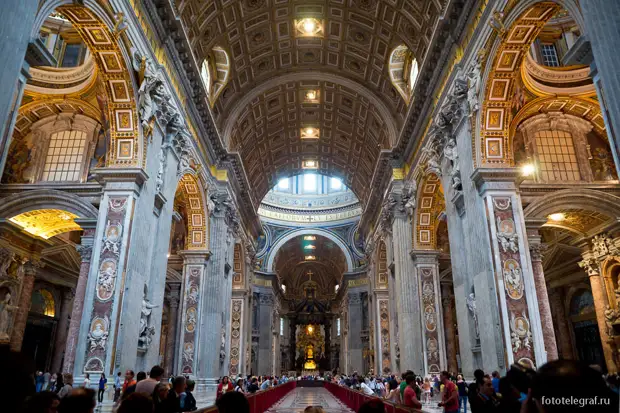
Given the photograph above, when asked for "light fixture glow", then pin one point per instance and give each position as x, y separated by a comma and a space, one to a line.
310, 258
310, 131
311, 95
310, 329
309, 164
309, 238
309, 26
310, 247
528, 169
557, 217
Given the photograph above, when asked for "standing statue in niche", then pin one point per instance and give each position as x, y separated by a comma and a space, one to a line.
146, 330
471, 305
149, 82
223, 346
5, 316
161, 171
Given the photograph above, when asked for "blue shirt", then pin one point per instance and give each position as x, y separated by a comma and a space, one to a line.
495, 381
117, 382
102, 383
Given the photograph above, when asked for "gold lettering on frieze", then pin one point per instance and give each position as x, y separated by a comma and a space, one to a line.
309, 218
261, 282
358, 282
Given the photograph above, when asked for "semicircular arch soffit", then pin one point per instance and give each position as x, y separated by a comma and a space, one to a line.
46, 199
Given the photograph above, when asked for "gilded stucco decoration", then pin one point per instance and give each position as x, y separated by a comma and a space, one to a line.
124, 148
46, 223
501, 85
431, 204
197, 222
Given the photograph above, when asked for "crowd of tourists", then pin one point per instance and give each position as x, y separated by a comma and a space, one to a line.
558, 386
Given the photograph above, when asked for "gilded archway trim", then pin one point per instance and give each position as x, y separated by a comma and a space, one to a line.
197, 219
431, 203
125, 147
496, 112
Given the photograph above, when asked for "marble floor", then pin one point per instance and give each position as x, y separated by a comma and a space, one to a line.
297, 400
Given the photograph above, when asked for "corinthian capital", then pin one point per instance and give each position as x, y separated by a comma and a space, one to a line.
590, 265
537, 251
85, 251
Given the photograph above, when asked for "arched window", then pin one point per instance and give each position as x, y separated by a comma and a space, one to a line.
65, 156
205, 74
43, 303
413, 74
556, 156
403, 68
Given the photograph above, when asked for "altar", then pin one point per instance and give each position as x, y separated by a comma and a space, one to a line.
310, 348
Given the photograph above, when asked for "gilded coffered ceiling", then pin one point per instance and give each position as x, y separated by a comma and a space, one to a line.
275, 58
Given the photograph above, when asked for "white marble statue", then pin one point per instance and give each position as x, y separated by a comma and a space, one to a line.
146, 331
474, 78
5, 316
471, 305
161, 170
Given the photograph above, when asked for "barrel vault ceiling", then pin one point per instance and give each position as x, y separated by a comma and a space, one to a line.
260, 113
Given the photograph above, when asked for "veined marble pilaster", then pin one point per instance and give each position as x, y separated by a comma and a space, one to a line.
394, 216
171, 342
383, 327
188, 347
86, 251
62, 329
25, 300
520, 315
427, 271
236, 337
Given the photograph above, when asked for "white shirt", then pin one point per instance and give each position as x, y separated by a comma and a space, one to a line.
366, 390
86, 384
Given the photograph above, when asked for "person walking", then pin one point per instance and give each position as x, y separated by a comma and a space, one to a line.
426, 391
102, 383
67, 387
39, 381
450, 395
148, 385
46, 381
117, 387
410, 399
86, 383
461, 385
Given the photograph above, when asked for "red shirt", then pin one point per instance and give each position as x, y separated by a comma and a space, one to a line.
448, 390
410, 399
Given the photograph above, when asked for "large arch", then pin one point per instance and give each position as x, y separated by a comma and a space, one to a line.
523, 24
47, 199
596, 201
309, 231
127, 146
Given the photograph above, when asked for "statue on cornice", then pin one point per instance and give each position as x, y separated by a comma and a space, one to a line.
161, 170
474, 78
451, 153
6, 259
387, 212
151, 90
409, 197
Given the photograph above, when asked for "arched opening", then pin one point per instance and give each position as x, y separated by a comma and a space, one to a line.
531, 73
404, 71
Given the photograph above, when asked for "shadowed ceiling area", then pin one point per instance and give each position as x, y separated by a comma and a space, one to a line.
281, 50
297, 262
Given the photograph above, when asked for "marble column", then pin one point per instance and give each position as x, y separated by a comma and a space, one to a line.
449, 326
25, 300
394, 217
328, 343
171, 342
293, 342
565, 346
591, 266
602, 29
536, 253
85, 249
266, 304
61, 330
212, 336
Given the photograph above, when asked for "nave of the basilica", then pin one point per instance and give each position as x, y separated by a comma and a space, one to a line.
259, 187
